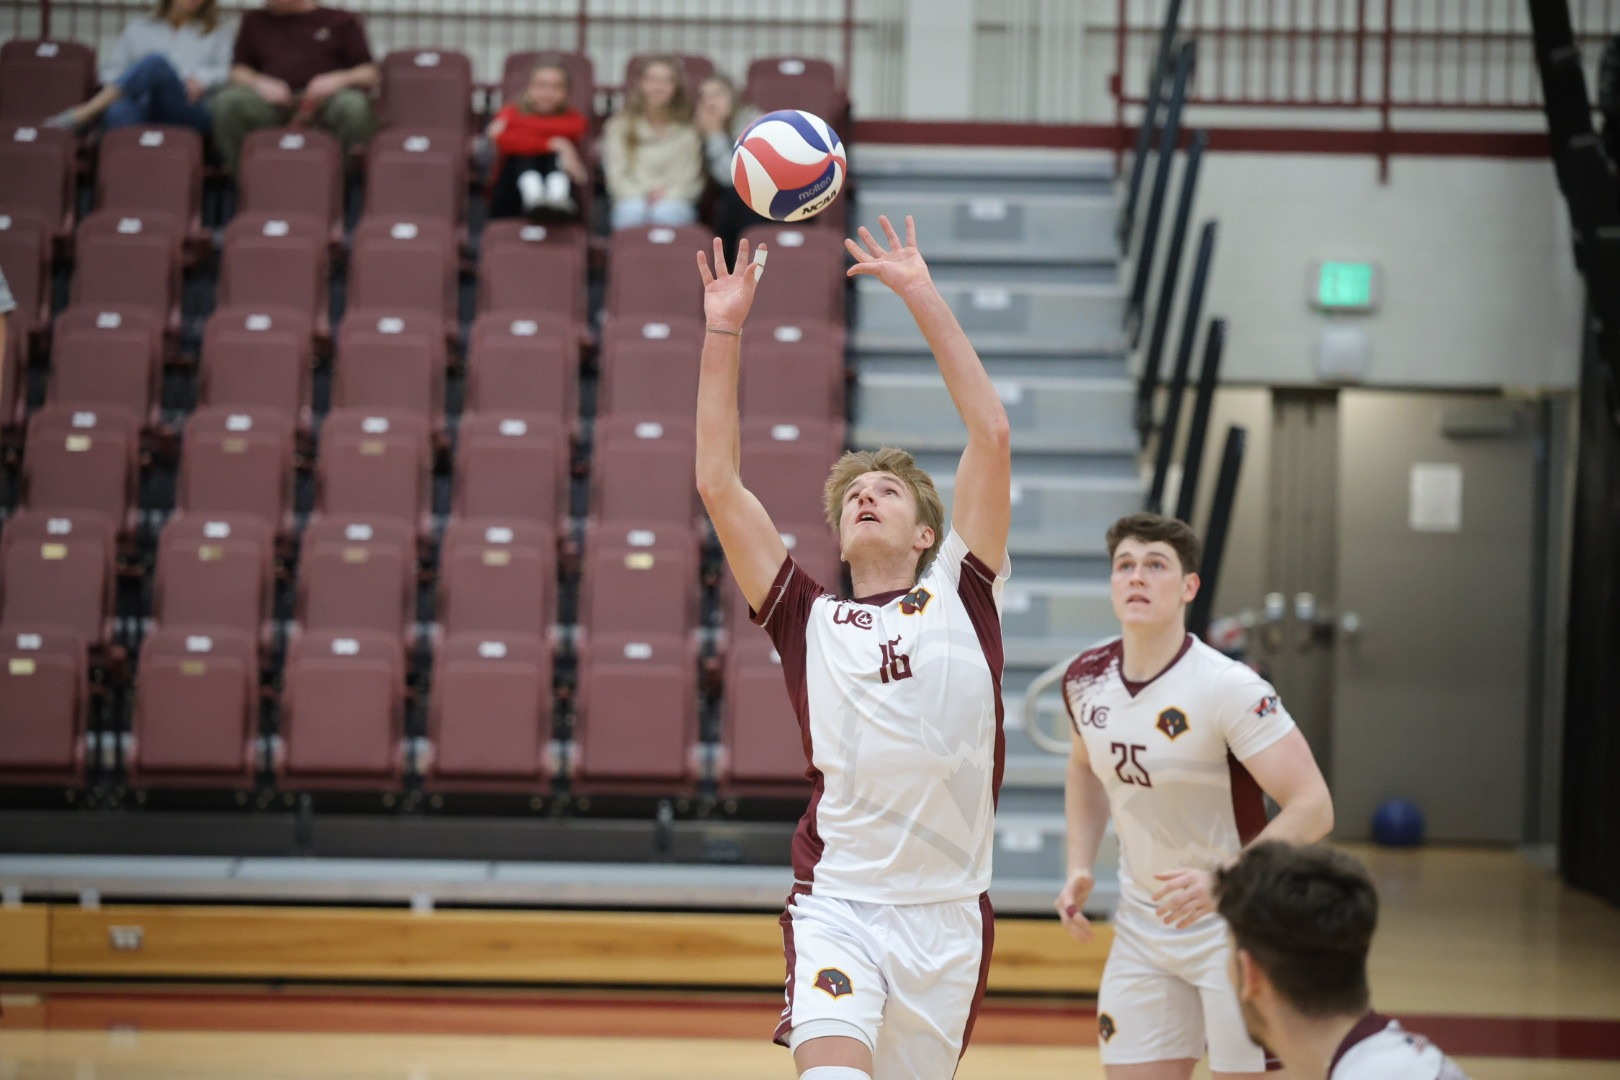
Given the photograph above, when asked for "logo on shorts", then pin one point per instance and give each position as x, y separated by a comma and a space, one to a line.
1173, 722
834, 982
915, 601
1105, 1026
858, 617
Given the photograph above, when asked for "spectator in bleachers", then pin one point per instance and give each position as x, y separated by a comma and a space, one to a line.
537, 144
651, 153
161, 70
297, 63
721, 116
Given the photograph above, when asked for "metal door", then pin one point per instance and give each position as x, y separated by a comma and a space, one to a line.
1432, 680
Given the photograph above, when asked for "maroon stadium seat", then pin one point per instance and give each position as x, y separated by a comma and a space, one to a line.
44, 708
375, 463
650, 272
343, 711
238, 461
292, 171
786, 464
794, 371
196, 716
764, 748
415, 173
57, 581
39, 79
35, 527
807, 275
650, 367
793, 82
357, 574
38, 172
152, 167
489, 719
524, 361
581, 76
511, 467
636, 716
639, 580
694, 69
214, 574
498, 578
391, 361
108, 356
277, 260
82, 459
258, 358
641, 471
401, 264
130, 259
527, 267
427, 88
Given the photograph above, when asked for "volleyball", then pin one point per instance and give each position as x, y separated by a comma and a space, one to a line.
789, 165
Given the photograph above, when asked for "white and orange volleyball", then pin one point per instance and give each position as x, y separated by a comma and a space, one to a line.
789, 165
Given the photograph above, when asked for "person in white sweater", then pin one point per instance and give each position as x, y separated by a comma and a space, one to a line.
651, 155
161, 70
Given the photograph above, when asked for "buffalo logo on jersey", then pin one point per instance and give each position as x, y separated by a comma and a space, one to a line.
834, 982
858, 617
1105, 1026
1268, 705
1173, 722
915, 601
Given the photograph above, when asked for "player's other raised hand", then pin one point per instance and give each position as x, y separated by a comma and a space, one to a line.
1070, 904
900, 266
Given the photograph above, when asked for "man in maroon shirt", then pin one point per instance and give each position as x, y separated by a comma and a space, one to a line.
297, 63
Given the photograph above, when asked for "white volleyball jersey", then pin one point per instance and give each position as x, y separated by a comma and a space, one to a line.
899, 699
1169, 753
1378, 1048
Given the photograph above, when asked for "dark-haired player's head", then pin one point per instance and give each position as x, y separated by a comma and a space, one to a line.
1302, 919
1154, 574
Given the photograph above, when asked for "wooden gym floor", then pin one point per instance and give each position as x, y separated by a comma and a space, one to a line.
1513, 973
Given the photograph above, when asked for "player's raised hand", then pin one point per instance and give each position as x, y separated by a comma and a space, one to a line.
1070, 902
900, 266
728, 294
1185, 897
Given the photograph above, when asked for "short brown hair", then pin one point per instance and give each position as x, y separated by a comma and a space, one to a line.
1149, 528
1306, 915
856, 463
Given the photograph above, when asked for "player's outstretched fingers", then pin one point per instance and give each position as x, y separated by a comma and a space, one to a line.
888, 230
742, 256
720, 267
911, 231
871, 241
759, 261
860, 253
703, 269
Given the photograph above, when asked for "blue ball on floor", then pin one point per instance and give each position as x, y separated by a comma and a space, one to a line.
1398, 823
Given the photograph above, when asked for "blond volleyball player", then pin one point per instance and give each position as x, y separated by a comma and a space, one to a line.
887, 932
1178, 744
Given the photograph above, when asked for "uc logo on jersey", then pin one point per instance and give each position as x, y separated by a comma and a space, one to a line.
833, 982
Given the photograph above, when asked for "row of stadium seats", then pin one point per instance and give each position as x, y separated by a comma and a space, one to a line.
425, 88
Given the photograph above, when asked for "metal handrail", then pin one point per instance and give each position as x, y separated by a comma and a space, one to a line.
1203, 400
1220, 522
1043, 739
1167, 288
1150, 120
1186, 61
1178, 375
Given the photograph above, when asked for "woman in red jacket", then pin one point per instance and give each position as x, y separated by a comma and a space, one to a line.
537, 141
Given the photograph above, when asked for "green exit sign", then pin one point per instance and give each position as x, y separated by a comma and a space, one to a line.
1345, 286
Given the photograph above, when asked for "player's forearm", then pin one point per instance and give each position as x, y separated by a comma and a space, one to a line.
1305, 819
1085, 805
719, 454
970, 388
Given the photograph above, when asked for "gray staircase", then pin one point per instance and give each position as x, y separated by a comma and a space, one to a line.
1021, 244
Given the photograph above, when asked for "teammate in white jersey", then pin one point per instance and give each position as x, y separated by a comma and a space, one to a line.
1302, 920
1178, 742
887, 932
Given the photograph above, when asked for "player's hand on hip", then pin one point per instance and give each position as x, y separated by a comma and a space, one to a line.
728, 294
900, 266
1185, 897
1071, 899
